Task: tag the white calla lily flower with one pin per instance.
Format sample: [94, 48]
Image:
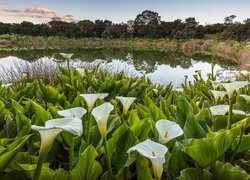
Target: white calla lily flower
[77, 112]
[223, 109]
[179, 89]
[90, 99]
[218, 94]
[72, 125]
[101, 115]
[49, 132]
[103, 95]
[168, 130]
[6, 85]
[126, 102]
[234, 86]
[215, 84]
[246, 97]
[153, 151]
[66, 55]
[53, 127]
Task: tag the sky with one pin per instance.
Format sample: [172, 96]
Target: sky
[41, 11]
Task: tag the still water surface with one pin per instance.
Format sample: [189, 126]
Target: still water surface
[160, 67]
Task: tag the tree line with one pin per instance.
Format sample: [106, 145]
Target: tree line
[147, 24]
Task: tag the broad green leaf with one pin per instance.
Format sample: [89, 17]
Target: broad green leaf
[111, 143]
[192, 128]
[141, 129]
[142, 168]
[176, 162]
[40, 114]
[156, 113]
[23, 124]
[195, 174]
[244, 144]
[13, 175]
[183, 109]
[13, 149]
[133, 117]
[126, 141]
[87, 167]
[228, 172]
[204, 118]
[205, 151]
[22, 158]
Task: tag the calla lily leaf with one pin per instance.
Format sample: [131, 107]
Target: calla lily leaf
[87, 167]
[13, 149]
[205, 151]
[195, 173]
[228, 171]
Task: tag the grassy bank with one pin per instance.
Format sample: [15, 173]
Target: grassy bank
[229, 50]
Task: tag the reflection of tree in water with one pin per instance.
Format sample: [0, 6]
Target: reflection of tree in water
[142, 59]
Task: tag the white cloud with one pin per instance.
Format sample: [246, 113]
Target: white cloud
[36, 13]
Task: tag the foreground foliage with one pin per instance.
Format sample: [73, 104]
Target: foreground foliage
[206, 146]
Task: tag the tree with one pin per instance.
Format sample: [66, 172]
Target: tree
[145, 24]
[115, 31]
[189, 31]
[229, 19]
[87, 28]
[100, 26]
[4, 28]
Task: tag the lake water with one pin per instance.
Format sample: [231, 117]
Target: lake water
[160, 67]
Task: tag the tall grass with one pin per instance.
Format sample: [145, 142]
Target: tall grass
[43, 69]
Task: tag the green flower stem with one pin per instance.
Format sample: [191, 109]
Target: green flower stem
[229, 120]
[238, 145]
[108, 159]
[71, 154]
[123, 120]
[69, 70]
[37, 174]
[88, 128]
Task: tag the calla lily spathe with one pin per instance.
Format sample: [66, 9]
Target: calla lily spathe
[246, 97]
[153, 151]
[53, 127]
[6, 85]
[179, 89]
[218, 94]
[49, 132]
[90, 99]
[215, 84]
[222, 110]
[66, 55]
[76, 112]
[167, 130]
[234, 86]
[126, 102]
[101, 115]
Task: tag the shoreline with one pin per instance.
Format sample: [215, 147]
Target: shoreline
[238, 52]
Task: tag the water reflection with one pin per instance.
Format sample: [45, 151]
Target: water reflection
[160, 67]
